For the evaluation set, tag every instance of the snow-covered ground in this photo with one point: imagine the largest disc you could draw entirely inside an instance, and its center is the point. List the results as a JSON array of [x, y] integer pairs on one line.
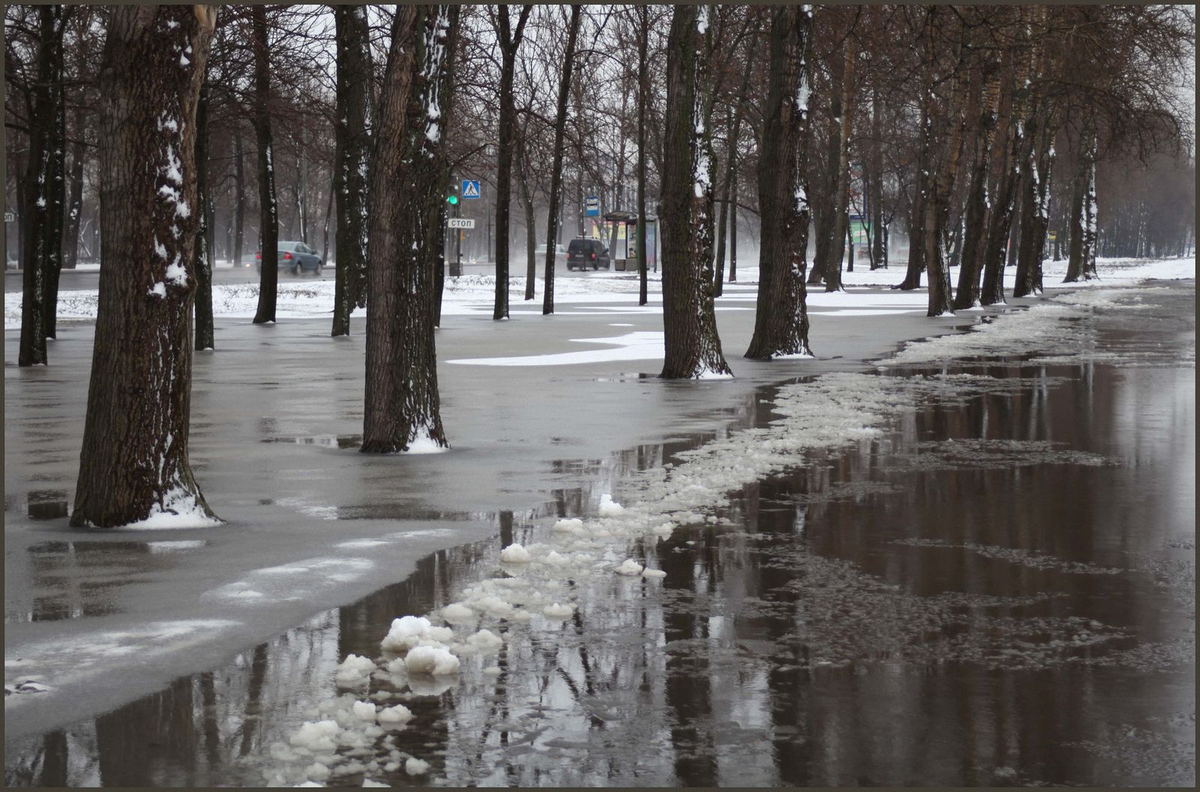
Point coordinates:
[[616, 292]]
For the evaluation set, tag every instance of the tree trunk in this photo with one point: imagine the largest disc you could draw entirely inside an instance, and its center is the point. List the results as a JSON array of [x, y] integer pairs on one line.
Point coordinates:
[[643, 109], [781, 321], [204, 311], [351, 160], [40, 248], [916, 224], [1034, 210], [134, 463], [509, 41], [733, 221], [239, 195], [75, 203], [723, 216], [554, 218], [937, 207], [843, 114], [402, 404], [1081, 262], [692, 346], [57, 145], [530, 217], [728, 189], [269, 217], [876, 192], [982, 111]]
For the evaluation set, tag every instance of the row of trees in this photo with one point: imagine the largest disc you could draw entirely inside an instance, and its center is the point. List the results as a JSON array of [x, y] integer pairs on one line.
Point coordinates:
[[967, 106]]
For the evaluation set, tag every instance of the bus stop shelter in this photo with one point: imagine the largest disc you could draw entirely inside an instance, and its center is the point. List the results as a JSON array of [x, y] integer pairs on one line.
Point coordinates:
[[622, 247]]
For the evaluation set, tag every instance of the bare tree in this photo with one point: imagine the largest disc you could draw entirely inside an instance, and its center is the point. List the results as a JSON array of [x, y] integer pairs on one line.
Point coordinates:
[[354, 79], [134, 461], [781, 322], [693, 347], [402, 405], [269, 212], [560, 126]]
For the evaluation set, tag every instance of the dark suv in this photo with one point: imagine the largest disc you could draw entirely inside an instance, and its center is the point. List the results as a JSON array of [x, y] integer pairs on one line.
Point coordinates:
[[584, 253]]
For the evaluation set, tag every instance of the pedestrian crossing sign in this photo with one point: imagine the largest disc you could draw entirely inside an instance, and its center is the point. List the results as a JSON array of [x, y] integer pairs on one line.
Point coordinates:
[[470, 188]]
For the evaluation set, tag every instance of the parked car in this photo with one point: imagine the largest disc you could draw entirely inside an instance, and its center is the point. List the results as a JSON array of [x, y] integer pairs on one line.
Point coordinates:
[[583, 253], [560, 254], [295, 257]]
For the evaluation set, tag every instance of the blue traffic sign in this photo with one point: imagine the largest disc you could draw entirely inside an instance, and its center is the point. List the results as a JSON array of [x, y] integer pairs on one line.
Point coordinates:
[[470, 188], [591, 207]]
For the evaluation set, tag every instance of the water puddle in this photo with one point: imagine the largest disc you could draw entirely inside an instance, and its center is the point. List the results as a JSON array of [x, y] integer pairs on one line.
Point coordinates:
[[995, 587]]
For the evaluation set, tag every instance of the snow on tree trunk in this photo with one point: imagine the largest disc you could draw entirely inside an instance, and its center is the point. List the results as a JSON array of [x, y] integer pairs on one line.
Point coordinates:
[[402, 409], [554, 220], [268, 283], [643, 110], [781, 322], [134, 462], [693, 348], [351, 129]]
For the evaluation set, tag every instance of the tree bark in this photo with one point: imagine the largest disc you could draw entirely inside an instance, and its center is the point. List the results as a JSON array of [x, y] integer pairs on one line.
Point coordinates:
[[269, 222], [844, 114], [526, 180], [554, 218], [510, 41], [781, 321], [937, 207], [1035, 218], [402, 403], [916, 224], [75, 202], [1081, 262], [40, 248], [239, 195], [982, 111], [351, 154], [57, 145], [643, 109], [204, 310], [692, 345], [134, 462]]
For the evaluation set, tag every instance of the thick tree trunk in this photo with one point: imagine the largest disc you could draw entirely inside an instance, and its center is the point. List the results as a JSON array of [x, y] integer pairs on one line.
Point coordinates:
[[844, 114], [509, 40], [643, 109], [134, 463], [269, 223], [554, 218], [402, 403], [781, 321], [351, 154], [692, 346], [203, 261]]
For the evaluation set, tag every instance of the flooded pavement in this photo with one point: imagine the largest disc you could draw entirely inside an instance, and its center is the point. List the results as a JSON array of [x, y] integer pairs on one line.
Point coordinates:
[[992, 582]]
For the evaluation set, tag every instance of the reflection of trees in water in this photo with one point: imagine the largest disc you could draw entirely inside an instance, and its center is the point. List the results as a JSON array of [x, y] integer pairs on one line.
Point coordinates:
[[744, 629]]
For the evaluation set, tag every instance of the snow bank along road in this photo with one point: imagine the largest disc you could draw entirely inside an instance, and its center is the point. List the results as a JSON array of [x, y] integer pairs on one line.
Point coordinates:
[[310, 524]]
